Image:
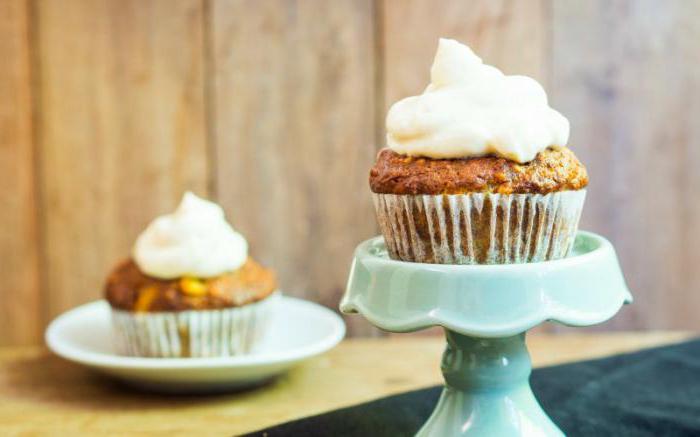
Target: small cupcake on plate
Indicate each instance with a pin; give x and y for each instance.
(190, 289)
(477, 170)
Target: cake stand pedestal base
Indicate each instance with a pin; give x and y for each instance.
(487, 392)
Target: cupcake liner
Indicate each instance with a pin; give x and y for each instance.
(479, 228)
(192, 333)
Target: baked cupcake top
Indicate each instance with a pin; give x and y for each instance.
(470, 109)
(129, 289)
(554, 169)
(190, 259)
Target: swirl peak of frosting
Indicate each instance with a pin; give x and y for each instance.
(472, 109)
(195, 240)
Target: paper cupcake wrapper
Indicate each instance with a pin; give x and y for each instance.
(479, 228)
(192, 333)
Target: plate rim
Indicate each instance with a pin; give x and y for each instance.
(113, 361)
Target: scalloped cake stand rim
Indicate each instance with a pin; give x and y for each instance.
(594, 293)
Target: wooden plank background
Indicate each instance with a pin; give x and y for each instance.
(293, 124)
(110, 109)
(21, 313)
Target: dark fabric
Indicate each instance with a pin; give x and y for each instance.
(655, 392)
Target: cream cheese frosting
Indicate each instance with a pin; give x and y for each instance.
(472, 109)
(195, 240)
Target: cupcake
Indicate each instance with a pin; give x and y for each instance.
(477, 170)
(190, 289)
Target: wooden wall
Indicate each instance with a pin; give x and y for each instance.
(110, 109)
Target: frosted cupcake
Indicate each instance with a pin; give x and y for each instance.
(477, 170)
(190, 288)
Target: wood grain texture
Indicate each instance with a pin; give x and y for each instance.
(20, 311)
(121, 130)
(34, 401)
(293, 87)
(627, 75)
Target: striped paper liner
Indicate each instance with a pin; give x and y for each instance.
(479, 228)
(192, 333)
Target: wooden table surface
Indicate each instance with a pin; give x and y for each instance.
(41, 393)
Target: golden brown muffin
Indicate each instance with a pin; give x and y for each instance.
(554, 169)
(481, 210)
(127, 288)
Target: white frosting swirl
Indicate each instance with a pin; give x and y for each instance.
(195, 240)
(472, 109)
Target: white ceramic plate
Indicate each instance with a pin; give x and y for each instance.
(300, 330)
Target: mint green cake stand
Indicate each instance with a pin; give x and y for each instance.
(486, 310)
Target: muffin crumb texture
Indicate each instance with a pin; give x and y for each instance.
(554, 169)
(129, 289)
